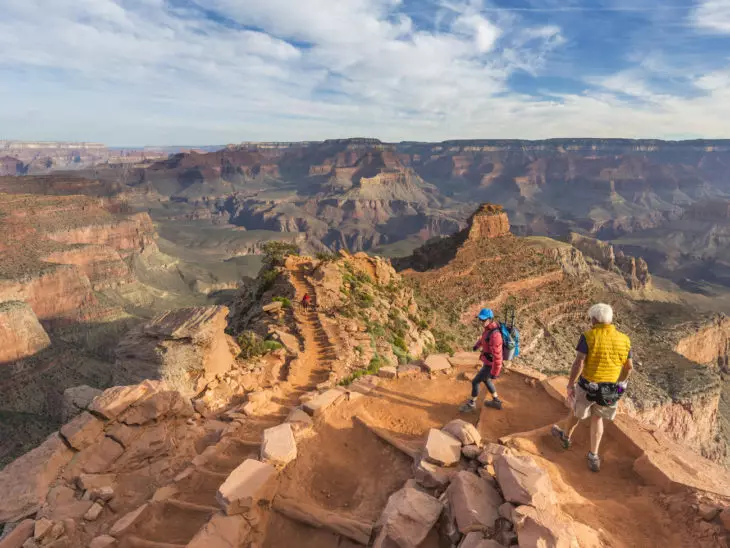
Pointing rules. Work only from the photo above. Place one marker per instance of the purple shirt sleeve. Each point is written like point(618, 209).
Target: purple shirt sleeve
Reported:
point(582, 345)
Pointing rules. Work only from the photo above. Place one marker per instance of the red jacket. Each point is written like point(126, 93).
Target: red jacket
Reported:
point(491, 343)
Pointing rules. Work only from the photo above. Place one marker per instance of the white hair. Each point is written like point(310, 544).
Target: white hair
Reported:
point(602, 313)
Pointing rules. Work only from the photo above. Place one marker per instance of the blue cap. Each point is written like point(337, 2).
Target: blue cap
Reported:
point(485, 314)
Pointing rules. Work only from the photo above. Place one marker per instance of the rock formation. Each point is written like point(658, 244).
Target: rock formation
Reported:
point(635, 271)
point(21, 334)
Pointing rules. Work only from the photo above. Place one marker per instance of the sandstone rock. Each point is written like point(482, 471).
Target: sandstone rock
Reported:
point(222, 532)
point(123, 434)
point(117, 399)
point(17, 537)
point(290, 342)
point(538, 528)
point(437, 362)
point(725, 518)
point(76, 400)
point(157, 406)
point(364, 385)
point(407, 518)
point(464, 359)
point(279, 447)
point(441, 448)
point(98, 458)
point(104, 494)
point(474, 502)
point(301, 423)
point(507, 511)
point(463, 431)
point(471, 451)
point(477, 540)
point(431, 475)
point(21, 334)
point(273, 306)
point(42, 528)
point(319, 404)
point(104, 541)
point(83, 431)
point(61, 503)
point(251, 482)
point(127, 522)
point(94, 512)
point(523, 482)
point(491, 452)
point(409, 370)
point(93, 482)
point(24, 482)
point(388, 372)
point(708, 512)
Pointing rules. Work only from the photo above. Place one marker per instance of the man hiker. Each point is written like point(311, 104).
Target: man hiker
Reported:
point(597, 380)
point(490, 344)
point(305, 301)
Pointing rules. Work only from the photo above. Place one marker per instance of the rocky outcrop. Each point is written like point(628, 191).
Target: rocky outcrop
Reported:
point(709, 344)
point(184, 347)
point(634, 270)
point(21, 334)
point(489, 221)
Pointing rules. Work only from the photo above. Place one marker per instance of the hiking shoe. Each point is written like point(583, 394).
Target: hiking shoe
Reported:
point(594, 462)
point(562, 436)
point(494, 404)
point(468, 407)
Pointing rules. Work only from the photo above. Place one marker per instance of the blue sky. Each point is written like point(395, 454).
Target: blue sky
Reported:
point(135, 72)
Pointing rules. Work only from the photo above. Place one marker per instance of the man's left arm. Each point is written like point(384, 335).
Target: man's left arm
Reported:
point(627, 369)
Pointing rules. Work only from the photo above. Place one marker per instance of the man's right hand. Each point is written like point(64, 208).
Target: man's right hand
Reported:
point(571, 392)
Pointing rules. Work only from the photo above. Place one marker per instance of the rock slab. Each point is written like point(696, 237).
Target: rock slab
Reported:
point(442, 448)
point(437, 362)
point(474, 502)
point(477, 540)
point(24, 482)
point(537, 528)
point(76, 399)
point(279, 447)
point(407, 518)
point(22, 532)
point(319, 404)
point(464, 431)
point(222, 532)
point(523, 482)
point(83, 431)
point(251, 482)
point(117, 399)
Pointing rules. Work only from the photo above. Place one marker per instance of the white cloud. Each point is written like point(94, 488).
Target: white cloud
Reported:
point(713, 15)
point(135, 72)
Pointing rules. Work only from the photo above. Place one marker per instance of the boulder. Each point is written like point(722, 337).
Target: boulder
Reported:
point(388, 372)
point(441, 448)
point(290, 342)
point(117, 399)
point(507, 511)
point(61, 503)
point(279, 447)
point(523, 482)
point(477, 540)
point(407, 518)
point(301, 423)
point(222, 532)
point(128, 521)
point(538, 528)
point(273, 306)
point(319, 404)
point(94, 512)
point(104, 541)
point(94, 482)
point(431, 475)
point(471, 451)
point(251, 482)
point(708, 512)
point(437, 362)
point(474, 502)
point(463, 431)
point(22, 532)
point(24, 482)
point(157, 406)
point(465, 359)
point(76, 399)
point(82, 431)
point(409, 370)
point(98, 458)
point(491, 452)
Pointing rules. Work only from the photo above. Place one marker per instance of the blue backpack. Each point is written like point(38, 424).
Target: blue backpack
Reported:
point(510, 341)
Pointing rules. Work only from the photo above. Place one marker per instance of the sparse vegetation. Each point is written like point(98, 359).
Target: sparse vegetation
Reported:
point(275, 253)
point(372, 369)
point(285, 301)
point(252, 346)
point(271, 346)
point(327, 257)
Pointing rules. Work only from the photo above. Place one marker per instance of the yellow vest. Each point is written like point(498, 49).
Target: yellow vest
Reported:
point(608, 350)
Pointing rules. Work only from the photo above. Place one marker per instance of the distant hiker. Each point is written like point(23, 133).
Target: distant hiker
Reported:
point(490, 344)
point(305, 301)
point(601, 368)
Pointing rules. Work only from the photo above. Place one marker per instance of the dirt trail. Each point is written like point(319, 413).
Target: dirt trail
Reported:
point(176, 520)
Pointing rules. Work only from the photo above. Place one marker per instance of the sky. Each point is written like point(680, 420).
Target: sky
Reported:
point(184, 72)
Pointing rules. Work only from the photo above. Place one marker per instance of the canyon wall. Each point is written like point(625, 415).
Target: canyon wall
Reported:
point(634, 270)
point(709, 344)
point(21, 334)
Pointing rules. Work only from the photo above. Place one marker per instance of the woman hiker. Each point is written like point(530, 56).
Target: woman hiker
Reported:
point(490, 344)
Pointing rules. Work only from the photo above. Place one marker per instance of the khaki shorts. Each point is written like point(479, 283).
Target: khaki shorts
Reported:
point(583, 408)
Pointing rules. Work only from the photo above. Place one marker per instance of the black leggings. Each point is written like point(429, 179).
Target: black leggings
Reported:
point(485, 376)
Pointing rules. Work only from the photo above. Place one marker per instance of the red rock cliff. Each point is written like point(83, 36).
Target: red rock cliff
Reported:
point(489, 221)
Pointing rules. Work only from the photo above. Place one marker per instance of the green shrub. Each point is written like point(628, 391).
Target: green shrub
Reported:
point(270, 346)
point(358, 349)
point(268, 279)
point(275, 253)
point(372, 369)
point(403, 356)
point(327, 257)
point(375, 329)
point(285, 301)
point(364, 300)
point(252, 346)
point(400, 342)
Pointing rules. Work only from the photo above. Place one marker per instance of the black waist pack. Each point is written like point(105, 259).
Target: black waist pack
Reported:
point(604, 394)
